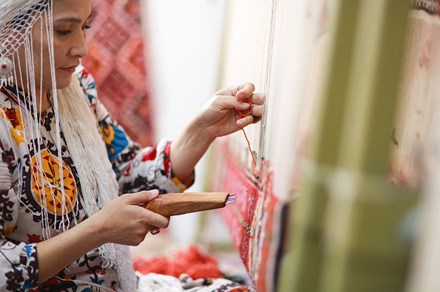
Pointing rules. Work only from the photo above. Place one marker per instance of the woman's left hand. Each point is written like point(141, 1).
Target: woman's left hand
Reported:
point(220, 116)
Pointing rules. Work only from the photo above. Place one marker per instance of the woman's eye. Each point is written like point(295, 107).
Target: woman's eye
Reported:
point(64, 32)
point(87, 27)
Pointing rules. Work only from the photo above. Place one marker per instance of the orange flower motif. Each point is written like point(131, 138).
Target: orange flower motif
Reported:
point(13, 116)
point(47, 188)
point(108, 133)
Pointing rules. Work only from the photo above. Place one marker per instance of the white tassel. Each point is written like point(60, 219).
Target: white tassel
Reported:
point(97, 177)
point(72, 117)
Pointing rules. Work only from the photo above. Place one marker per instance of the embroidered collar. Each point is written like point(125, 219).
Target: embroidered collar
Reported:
point(20, 98)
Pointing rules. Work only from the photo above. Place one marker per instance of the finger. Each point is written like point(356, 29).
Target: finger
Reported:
point(257, 110)
point(230, 102)
point(245, 91)
point(244, 108)
point(232, 90)
point(141, 197)
point(243, 122)
point(258, 98)
point(155, 219)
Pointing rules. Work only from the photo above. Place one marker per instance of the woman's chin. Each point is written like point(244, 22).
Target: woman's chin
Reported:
point(64, 82)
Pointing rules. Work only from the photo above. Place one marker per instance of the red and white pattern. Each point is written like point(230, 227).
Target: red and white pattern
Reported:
point(255, 219)
point(117, 60)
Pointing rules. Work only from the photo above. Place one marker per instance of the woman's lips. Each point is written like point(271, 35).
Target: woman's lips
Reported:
point(69, 69)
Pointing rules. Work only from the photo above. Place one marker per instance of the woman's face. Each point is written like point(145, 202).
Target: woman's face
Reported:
point(70, 22)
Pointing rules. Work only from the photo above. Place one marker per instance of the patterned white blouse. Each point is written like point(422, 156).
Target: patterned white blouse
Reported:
point(136, 169)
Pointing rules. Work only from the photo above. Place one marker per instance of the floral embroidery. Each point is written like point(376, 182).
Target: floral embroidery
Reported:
point(20, 223)
point(48, 190)
point(13, 116)
point(114, 138)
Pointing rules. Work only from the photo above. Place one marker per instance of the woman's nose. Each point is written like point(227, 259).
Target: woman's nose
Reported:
point(79, 48)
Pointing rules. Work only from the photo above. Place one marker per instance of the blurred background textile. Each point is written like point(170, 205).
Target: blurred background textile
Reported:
point(116, 58)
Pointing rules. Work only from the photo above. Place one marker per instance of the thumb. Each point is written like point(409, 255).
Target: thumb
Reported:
point(142, 197)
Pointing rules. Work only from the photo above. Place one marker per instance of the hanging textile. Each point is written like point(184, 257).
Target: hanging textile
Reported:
point(117, 59)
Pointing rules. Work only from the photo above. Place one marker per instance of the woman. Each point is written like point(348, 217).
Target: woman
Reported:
point(64, 223)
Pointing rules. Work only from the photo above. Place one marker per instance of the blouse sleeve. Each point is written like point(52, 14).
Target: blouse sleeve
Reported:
point(18, 260)
point(136, 168)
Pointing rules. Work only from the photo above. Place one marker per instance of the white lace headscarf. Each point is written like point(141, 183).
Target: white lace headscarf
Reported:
point(72, 116)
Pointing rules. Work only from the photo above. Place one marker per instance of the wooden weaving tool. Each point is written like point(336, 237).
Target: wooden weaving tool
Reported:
point(173, 204)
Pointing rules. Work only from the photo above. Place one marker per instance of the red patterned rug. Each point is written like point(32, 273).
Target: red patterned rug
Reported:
point(117, 60)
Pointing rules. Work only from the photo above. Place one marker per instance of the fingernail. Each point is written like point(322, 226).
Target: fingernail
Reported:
point(154, 192)
point(155, 231)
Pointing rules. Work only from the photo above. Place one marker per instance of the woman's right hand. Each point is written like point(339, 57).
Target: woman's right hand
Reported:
point(124, 220)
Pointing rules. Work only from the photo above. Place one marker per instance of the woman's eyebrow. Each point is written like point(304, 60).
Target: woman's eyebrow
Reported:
point(73, 19)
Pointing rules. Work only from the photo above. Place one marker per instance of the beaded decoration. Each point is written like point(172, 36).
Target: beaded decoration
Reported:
point(6, 72)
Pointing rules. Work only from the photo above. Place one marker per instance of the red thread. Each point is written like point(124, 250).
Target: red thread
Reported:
point(250, 149)
point(245, 113)
point(242, 114)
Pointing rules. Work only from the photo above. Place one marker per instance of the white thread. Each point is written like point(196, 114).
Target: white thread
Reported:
point(72, 117)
